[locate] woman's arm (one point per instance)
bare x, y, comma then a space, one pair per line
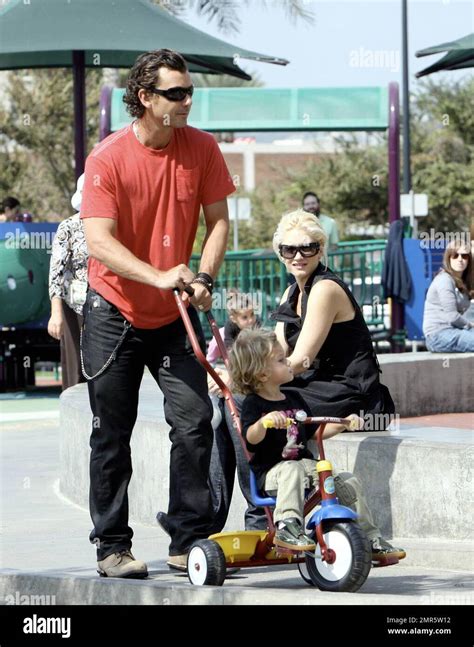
59, 259
326, 302
449, 305
280, 326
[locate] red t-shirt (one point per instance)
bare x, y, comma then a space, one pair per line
155, 196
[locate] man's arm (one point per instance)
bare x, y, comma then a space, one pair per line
103, 246
215, 243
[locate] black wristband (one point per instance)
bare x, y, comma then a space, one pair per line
204, 279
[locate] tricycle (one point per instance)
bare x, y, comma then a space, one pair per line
342, 559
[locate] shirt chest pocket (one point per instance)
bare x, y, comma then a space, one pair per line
187, 184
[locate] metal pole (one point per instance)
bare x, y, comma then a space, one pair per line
397, 309
104, 110
406, 102
236, 225
79, 76
393, 153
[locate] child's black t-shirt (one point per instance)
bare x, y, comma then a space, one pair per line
278, 444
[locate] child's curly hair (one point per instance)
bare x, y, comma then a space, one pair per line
248, 358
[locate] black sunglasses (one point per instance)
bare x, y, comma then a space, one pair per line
290, 251
463, 256
174, 94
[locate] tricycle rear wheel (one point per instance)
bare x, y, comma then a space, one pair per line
206, 563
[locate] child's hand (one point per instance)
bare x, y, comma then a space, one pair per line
214, 389
356, 423
275, 419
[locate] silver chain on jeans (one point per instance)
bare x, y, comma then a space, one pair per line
127, 327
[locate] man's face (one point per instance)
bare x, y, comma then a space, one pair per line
170, 113
311, 204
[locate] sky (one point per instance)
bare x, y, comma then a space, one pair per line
351, 43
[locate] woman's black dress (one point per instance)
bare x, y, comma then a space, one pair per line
344, 377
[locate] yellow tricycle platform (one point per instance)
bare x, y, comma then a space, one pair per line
252, 548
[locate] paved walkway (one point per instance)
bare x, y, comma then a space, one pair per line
44, 537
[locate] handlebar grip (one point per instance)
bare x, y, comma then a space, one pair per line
187, 288
269, 424
356, 424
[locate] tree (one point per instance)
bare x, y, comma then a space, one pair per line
443, 152
38, 140
226, 12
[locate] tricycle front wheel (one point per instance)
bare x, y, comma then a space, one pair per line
353, 558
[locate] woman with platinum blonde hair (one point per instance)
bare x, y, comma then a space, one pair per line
301, 220
321, 327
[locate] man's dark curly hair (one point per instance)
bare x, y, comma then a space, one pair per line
145, 74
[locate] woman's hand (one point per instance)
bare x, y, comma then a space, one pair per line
214, 388
55, 325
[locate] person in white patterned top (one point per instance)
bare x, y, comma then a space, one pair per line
67, 290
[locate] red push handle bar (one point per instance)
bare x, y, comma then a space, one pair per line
203, 361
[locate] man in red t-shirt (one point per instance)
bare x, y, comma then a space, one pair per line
144, 187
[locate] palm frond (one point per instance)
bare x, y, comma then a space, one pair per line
175, 7
294, 9
224, 12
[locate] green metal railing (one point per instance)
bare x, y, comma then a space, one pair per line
260, 273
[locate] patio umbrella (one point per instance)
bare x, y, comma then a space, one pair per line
460, 54
106, 33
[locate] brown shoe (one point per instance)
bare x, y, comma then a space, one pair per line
122, 564
178, 562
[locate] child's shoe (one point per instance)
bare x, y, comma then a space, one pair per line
289, 534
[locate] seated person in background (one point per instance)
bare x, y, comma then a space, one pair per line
447, 299
241, 312
281, 460
12, 212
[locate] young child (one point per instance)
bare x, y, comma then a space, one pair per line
281, 460
241, 313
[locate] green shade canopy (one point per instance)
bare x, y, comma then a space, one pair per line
105, 33
460, 54
112, 33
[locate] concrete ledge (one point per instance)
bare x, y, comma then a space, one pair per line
417, 488
428, 383
269, 586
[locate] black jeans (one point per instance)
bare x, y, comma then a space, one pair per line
113, 395
227, 456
